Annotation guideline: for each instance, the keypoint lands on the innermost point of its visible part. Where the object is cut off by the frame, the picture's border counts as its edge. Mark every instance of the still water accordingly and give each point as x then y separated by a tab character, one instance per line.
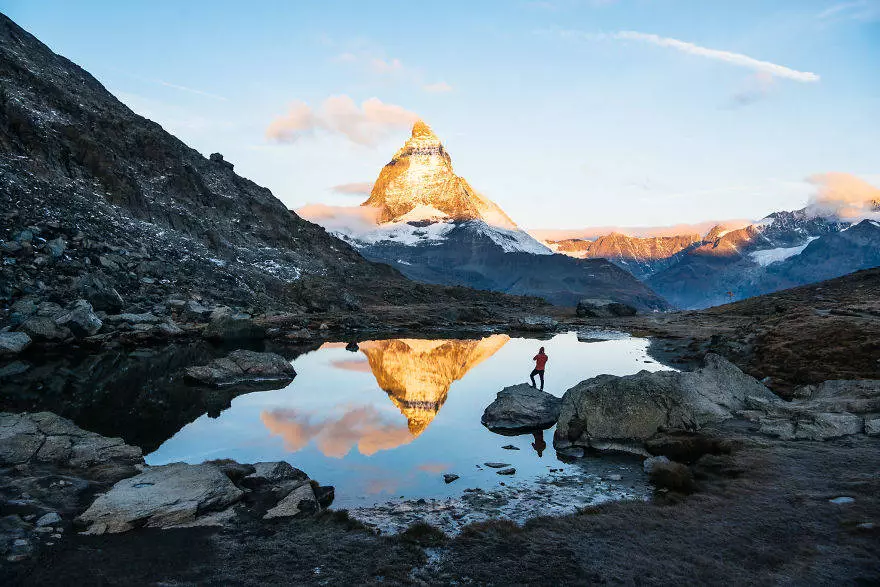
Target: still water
388	419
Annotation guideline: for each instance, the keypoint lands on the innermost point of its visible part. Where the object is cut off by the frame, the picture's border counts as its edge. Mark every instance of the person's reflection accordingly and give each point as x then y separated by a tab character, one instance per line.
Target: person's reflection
539	445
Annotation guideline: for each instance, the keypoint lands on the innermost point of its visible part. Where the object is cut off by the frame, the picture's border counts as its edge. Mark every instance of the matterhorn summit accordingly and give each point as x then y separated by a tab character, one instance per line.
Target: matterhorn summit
432	226
420	184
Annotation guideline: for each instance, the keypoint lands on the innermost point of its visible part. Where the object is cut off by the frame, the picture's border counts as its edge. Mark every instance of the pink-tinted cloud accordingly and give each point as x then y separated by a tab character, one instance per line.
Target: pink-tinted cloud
348	218
361	426
366	124
360	365
845	196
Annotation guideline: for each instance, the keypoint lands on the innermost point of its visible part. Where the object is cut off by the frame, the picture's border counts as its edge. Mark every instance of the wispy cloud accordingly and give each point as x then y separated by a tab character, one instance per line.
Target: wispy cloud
730	57
861	10
353	189
364	125
391	68
438	88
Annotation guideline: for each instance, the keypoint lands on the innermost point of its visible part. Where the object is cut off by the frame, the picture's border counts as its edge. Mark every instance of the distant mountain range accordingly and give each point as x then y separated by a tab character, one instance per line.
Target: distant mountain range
430	224
783	250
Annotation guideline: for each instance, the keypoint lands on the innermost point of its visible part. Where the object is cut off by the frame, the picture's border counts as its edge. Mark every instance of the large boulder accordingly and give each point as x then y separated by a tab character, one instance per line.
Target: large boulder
620	413
520	408
162	497
80	319
44	329
99	293
44	437
12	343
597	308
243	366
828	410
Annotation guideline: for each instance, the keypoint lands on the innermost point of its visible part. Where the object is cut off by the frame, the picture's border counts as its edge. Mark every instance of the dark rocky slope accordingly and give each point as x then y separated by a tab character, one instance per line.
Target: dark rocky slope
90	190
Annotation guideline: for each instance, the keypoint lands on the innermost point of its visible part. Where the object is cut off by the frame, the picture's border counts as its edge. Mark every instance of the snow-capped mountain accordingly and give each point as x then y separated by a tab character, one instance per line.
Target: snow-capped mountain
434	227
784	249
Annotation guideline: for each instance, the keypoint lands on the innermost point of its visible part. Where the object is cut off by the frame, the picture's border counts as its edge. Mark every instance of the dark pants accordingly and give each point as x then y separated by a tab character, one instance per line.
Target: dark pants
539	373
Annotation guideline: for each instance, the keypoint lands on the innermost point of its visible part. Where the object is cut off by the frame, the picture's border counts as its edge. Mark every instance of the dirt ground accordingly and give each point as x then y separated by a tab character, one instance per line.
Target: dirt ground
760	516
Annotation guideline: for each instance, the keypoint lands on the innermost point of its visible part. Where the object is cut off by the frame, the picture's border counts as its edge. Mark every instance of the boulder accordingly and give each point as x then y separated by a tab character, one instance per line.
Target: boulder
619	413
302	499
56	247
161	497
100	294
144	318
535	324
521	408
45	437
828	410
81	319
597	308
12	343
243	366
273	473
233	327
43	329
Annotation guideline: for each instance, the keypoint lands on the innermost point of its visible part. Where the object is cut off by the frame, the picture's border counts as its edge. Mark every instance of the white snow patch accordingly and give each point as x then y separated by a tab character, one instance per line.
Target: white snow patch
513	241
769	256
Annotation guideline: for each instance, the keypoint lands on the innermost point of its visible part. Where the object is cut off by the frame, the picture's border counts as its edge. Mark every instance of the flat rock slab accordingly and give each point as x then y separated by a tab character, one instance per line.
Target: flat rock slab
300	500
44	437
162	497
13	342
497	465
521	408
243	366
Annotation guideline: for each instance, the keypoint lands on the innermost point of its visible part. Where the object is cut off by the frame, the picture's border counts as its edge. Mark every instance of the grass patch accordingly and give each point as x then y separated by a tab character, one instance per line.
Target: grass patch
424	534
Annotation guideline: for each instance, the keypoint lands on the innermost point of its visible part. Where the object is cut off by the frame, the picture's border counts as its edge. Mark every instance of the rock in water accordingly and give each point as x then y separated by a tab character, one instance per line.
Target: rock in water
243	366
620	413
161	497
449	477
520	408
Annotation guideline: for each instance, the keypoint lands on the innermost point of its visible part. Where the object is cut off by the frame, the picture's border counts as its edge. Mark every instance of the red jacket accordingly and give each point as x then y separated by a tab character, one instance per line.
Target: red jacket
540	360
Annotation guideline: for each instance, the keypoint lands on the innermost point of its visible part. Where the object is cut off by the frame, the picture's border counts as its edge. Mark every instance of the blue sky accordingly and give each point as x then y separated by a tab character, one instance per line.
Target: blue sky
567	113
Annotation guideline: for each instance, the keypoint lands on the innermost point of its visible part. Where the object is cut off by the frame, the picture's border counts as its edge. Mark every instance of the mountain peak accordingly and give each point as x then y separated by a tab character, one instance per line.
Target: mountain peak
420	177
421	130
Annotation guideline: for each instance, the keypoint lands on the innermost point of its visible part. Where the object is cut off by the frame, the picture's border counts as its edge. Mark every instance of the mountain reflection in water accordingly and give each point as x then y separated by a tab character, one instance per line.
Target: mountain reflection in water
390	417
416	374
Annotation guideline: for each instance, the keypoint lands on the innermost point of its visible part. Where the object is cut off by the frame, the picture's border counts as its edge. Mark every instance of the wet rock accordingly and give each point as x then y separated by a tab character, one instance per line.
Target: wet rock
510	447
300	500
507	471
598	308
620	413
43	328
535	324
521	408
81	319
243	366
100	294
497	465
161	497
352	347
449	477
12	343
233	327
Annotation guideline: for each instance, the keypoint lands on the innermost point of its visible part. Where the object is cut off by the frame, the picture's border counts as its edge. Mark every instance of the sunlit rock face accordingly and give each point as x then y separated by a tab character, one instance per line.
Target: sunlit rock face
417	374
419	184
640	255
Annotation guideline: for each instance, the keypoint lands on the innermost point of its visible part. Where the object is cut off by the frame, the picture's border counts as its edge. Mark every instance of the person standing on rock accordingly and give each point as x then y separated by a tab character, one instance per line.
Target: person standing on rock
540	361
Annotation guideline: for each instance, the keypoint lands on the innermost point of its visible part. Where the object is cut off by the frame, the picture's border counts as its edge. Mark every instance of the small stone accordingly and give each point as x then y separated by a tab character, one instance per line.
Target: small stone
510	447
508	471
842	500
866	526
615	477
497	465
49	519
450	477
